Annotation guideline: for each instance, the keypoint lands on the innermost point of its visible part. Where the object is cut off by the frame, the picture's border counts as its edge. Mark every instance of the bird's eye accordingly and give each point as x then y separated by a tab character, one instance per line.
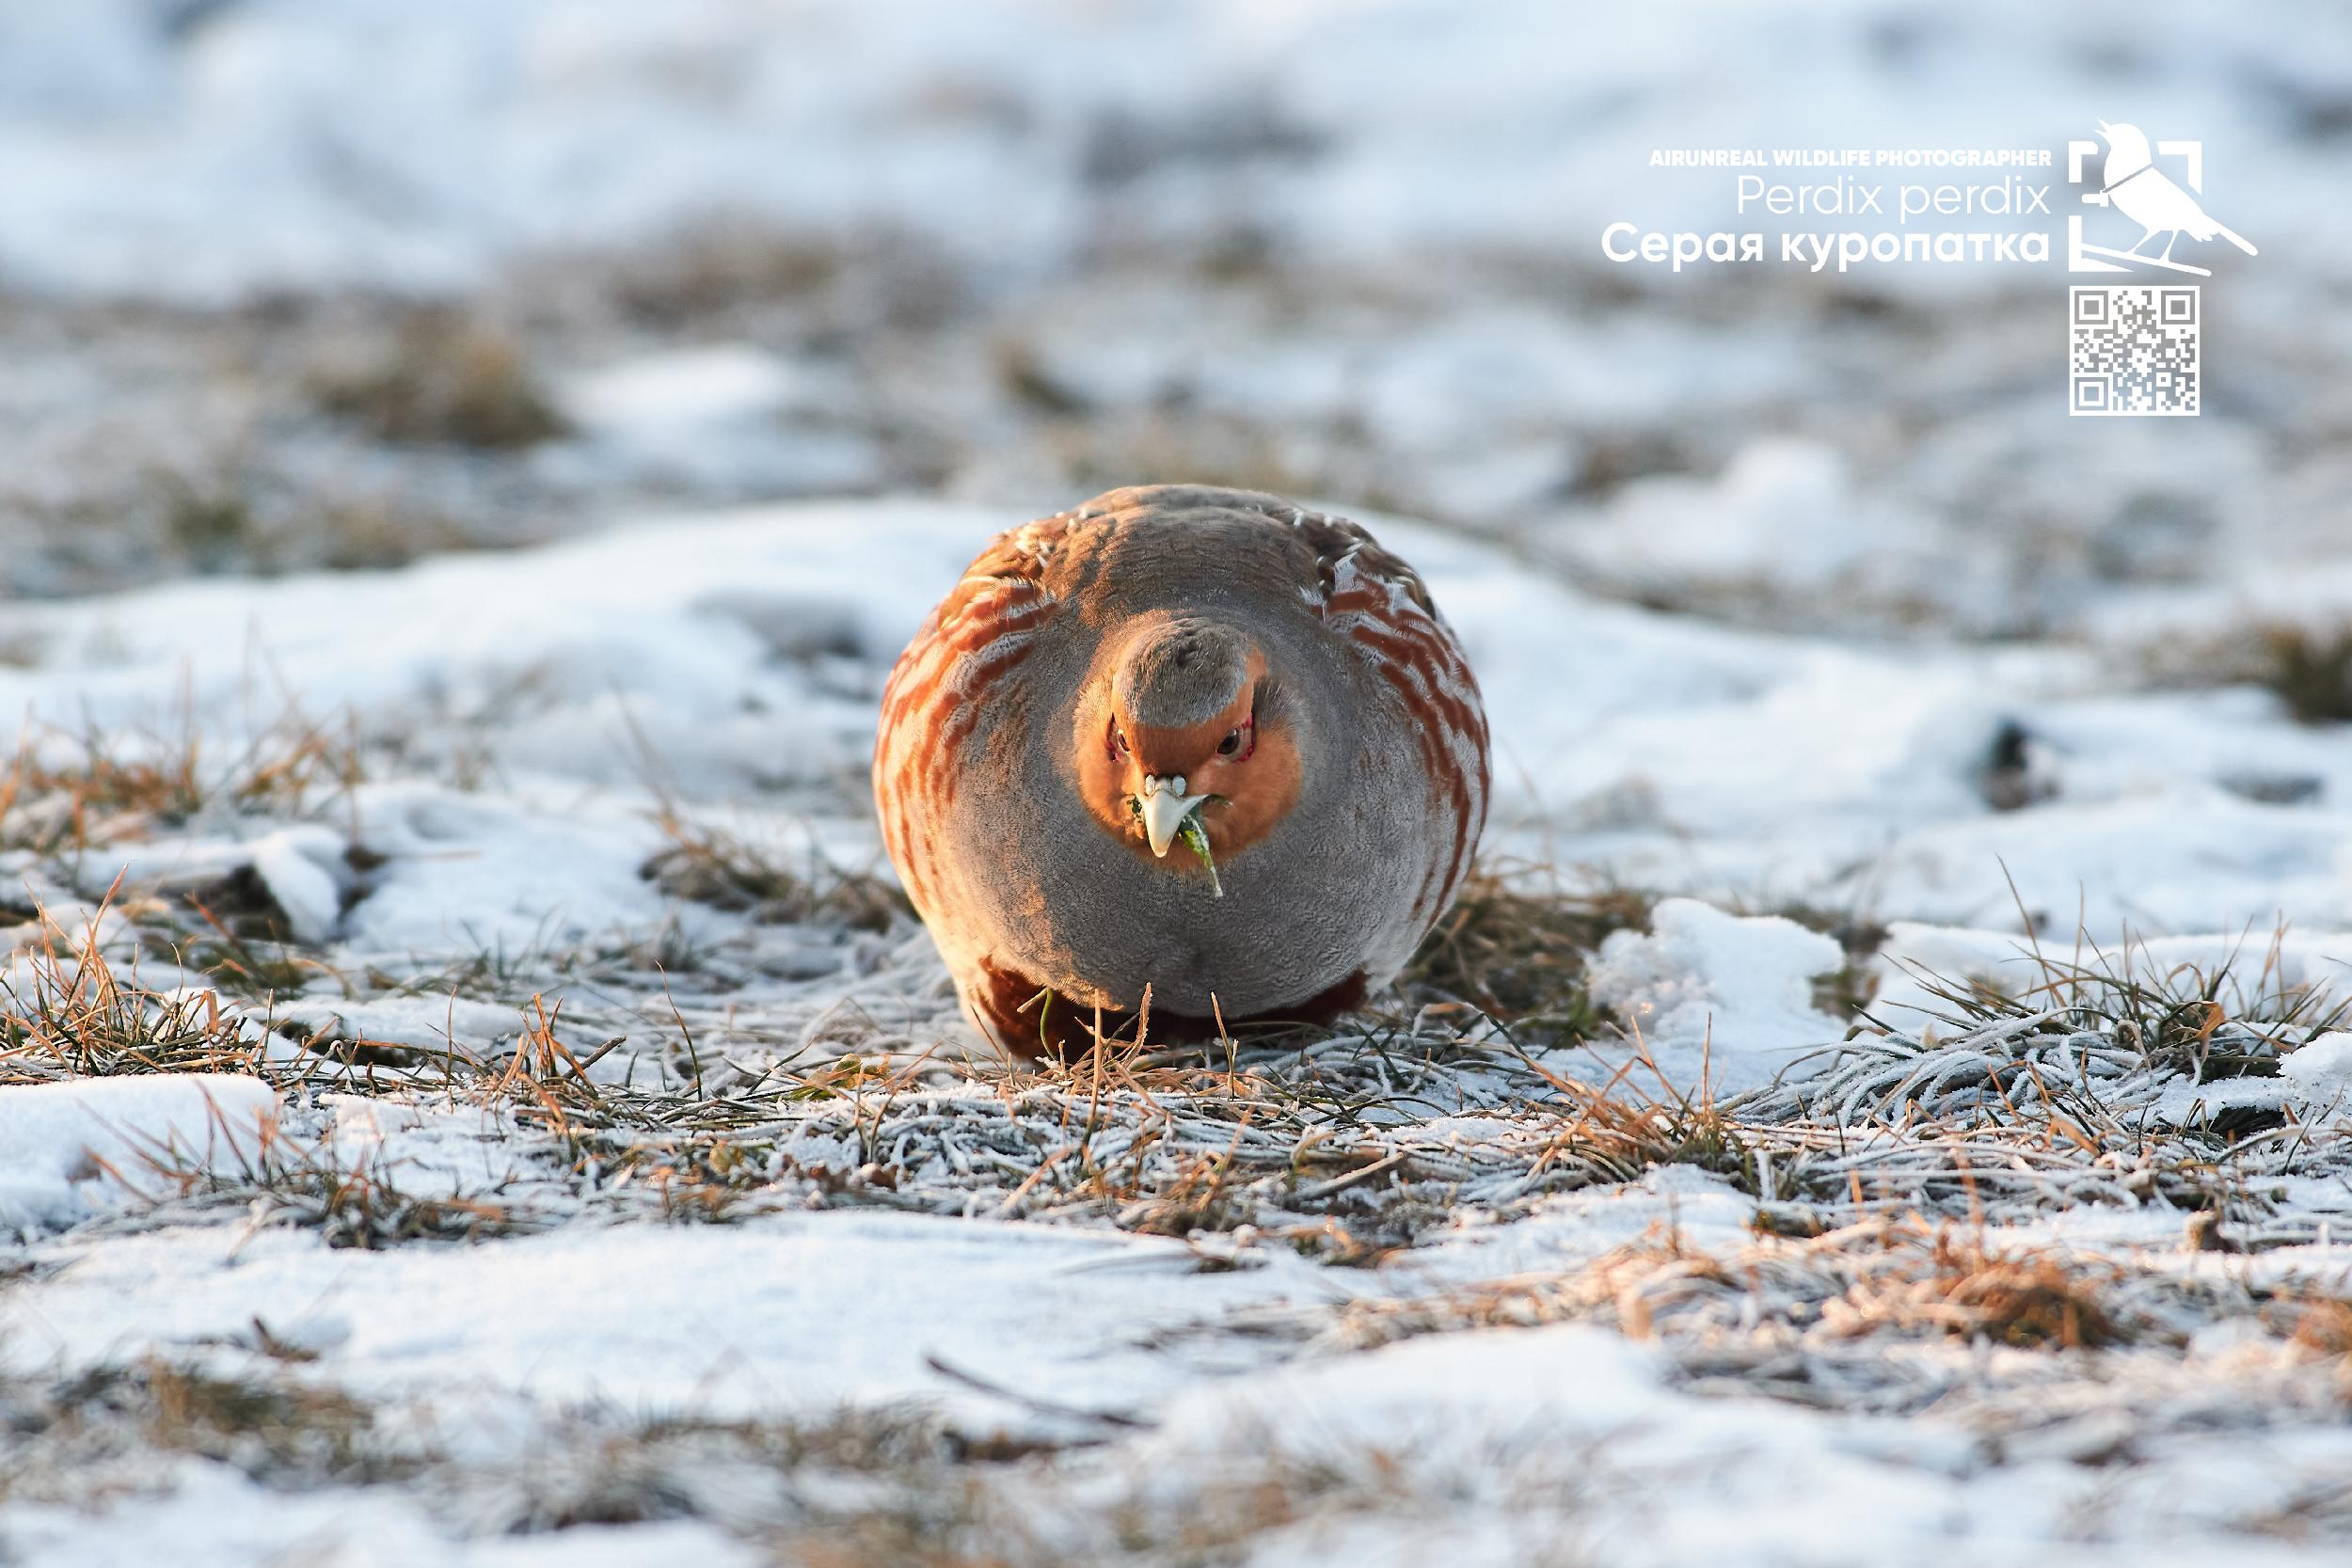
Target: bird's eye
1121	741
1231	744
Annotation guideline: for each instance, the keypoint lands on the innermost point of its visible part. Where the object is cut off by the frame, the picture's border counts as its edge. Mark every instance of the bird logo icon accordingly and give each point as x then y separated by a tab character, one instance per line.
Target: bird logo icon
2132	185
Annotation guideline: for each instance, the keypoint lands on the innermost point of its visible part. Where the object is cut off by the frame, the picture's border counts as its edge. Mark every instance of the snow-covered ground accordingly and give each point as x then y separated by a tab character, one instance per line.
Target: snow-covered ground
468	1091
498	742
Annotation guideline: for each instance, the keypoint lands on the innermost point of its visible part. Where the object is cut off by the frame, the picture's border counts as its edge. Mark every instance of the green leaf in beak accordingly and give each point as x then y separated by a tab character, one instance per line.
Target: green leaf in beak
1196	839
1192	834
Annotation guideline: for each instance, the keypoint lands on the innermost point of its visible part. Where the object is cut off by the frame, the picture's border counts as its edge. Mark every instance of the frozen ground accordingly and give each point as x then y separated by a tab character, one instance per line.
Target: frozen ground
470	1092
628	1163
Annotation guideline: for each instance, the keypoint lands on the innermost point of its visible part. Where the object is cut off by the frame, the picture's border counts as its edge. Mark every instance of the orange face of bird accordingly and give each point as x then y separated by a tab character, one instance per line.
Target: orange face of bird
1185	735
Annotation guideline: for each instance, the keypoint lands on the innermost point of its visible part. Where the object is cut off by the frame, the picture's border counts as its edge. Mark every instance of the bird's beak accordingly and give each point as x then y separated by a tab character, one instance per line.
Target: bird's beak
1165	806
2104	128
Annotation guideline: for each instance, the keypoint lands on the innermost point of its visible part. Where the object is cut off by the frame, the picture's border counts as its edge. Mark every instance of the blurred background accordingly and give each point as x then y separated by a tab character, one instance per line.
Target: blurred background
289	285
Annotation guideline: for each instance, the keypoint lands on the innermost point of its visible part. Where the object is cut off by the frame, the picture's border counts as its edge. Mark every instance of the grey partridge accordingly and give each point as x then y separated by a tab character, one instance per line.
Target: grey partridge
1197	740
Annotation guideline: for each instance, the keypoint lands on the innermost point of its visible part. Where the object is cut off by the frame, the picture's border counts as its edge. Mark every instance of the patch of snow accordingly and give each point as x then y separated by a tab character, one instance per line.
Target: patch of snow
2320	1073
723	383
477	873
439	1149
1570	1229
301	868
428	1023
2185	858
1784	513
211	1516
2188	1104
726	416
305	872
1581	1420
69	1149
779	1314
1719	998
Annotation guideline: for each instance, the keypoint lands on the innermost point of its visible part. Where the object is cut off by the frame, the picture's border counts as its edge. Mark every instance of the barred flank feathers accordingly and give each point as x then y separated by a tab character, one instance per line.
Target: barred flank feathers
979	635
1380	603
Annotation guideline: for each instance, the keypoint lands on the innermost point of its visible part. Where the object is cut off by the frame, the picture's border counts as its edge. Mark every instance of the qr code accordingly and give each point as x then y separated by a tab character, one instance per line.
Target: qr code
2132	350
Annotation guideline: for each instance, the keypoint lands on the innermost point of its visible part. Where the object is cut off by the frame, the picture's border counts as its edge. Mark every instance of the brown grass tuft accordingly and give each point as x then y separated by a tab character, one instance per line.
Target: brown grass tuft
76	1017
1878	1281
713	865
2311	670
1520	956
440	377
721	267
1974	1292
63	792
282	1432
2309	666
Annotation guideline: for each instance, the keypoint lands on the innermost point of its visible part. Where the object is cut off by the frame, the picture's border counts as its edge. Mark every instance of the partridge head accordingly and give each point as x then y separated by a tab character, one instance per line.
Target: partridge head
1186	736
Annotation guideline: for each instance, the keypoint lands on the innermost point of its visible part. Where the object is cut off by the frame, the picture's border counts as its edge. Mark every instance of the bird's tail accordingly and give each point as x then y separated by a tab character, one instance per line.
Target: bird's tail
2237	239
